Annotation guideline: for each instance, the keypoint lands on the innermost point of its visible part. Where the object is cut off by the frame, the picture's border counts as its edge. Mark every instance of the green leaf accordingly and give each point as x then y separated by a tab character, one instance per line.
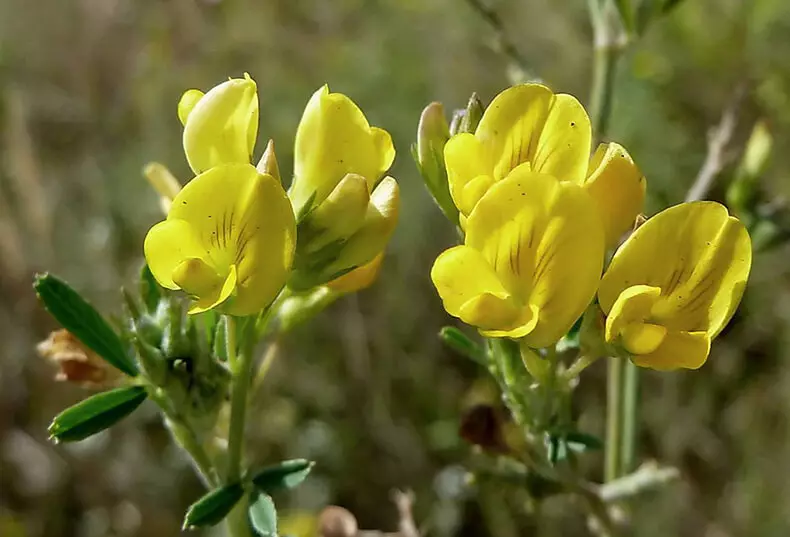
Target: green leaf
96	413
83	321
285	475
150	291
213	507
263	515
460	343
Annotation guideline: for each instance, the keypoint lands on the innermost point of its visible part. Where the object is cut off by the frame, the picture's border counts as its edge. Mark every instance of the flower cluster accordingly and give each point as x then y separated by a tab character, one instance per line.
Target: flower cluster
540	214
233	237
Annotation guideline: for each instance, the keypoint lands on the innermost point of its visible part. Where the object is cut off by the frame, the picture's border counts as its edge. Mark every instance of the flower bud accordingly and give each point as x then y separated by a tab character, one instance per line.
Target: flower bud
164	183
221	127
742	192
359	278
268	163
474	113
432	134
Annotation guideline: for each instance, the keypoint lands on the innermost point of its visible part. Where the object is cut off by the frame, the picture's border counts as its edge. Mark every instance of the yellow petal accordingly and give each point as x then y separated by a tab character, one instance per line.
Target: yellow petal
465	160
359	278
473	191
618	188
218	295
167	245
334	139
241	219
187	102
563	148
511	125
642	338
633	305
197	277
528	123
377	227
697	255
678	350
222	126
339	216
461	274
545	242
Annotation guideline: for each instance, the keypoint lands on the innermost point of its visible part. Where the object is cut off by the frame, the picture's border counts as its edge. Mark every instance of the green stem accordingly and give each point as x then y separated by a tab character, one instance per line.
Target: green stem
241	371
188	441
630	416
241	368
614	418
604	70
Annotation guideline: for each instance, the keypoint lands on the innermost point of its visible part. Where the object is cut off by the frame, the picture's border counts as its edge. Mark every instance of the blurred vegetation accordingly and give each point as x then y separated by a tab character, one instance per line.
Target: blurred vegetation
88	91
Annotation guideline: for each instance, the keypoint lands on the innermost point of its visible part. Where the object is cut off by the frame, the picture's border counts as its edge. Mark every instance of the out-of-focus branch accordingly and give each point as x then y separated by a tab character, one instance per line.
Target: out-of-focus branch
503	42
647	477
718	155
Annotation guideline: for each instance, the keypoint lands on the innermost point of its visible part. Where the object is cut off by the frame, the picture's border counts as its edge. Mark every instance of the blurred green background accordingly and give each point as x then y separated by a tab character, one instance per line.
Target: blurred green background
88	93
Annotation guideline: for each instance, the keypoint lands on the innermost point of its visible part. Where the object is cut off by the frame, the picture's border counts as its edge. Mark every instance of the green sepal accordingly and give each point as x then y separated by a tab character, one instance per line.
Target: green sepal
284	475
150	290
263	515
460	343
81	319
212	508
96	413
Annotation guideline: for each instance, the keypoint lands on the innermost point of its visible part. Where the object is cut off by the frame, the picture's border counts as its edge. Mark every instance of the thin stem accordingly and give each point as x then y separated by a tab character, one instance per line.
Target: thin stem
241	370
186	438
241	367
579	364
630	418
604	70
614	418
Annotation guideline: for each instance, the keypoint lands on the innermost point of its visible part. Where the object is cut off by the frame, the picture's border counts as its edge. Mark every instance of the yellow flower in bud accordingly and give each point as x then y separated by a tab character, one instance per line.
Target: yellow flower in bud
524	125
268	163
346	231
531	260
221	126
163	182
618	188
228	240
674	285
359	278
334	139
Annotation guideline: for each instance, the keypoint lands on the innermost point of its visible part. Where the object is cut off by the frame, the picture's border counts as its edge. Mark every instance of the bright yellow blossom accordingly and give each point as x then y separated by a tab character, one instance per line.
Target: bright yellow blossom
674	285
228	240
346	211
221	126
359	278
531	261
334	139
528	125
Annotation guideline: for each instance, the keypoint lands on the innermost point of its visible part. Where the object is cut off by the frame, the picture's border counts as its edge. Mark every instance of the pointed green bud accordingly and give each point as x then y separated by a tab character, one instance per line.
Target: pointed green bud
742	192
432	134
268	163
152	361
473	114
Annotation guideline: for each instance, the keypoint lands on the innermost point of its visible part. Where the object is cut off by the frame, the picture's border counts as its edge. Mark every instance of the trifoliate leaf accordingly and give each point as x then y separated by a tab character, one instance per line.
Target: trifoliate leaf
83	321
212	508
263	515
285	475
96	413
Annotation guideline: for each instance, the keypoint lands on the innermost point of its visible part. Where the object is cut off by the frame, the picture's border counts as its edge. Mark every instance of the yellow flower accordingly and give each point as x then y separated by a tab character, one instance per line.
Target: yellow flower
531	261
221	126
528	125
674	285
359	278
618	187
228	240
346	212
524	125
334	139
